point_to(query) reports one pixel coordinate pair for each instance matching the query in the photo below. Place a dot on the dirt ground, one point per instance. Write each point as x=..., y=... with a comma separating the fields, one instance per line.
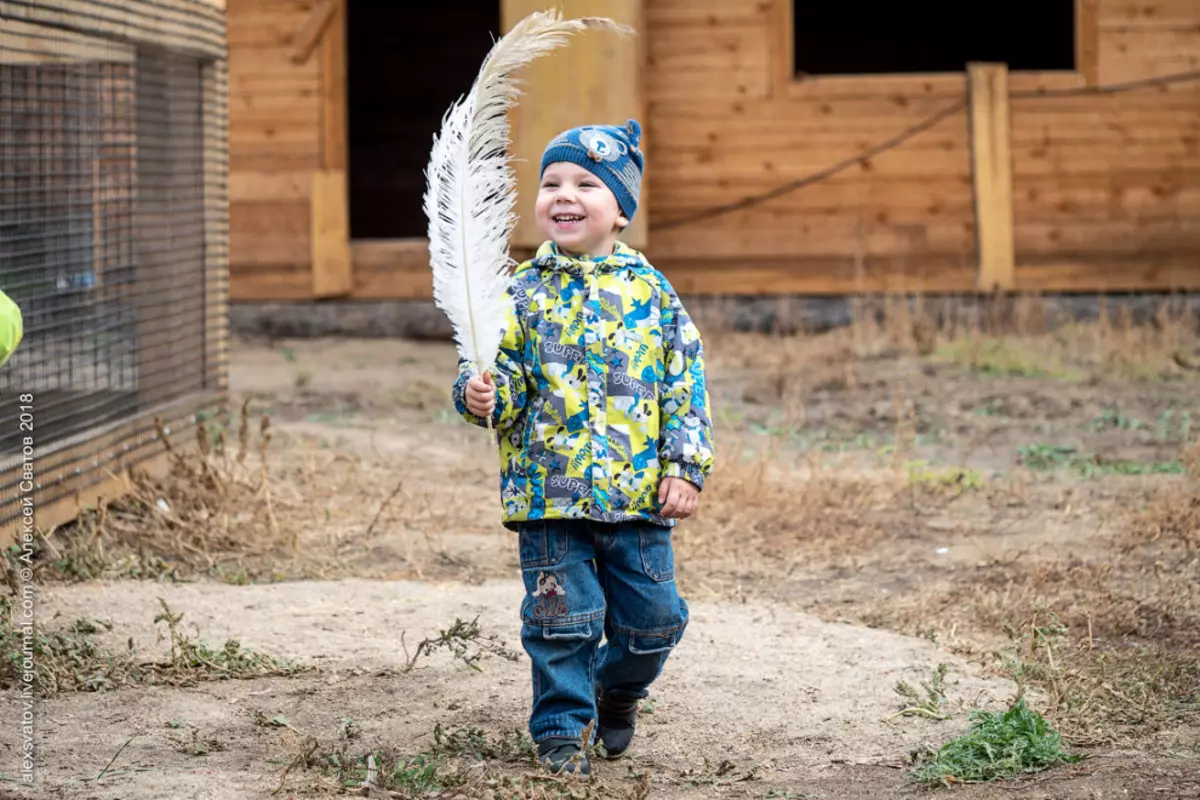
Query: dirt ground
x=872, y=517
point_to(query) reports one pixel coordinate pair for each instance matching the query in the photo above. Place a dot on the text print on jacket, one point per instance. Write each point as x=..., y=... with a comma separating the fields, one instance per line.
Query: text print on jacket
x=601, y=391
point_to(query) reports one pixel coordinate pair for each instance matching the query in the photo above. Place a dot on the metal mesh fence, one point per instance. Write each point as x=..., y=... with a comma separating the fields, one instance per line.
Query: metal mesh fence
x=104, y=210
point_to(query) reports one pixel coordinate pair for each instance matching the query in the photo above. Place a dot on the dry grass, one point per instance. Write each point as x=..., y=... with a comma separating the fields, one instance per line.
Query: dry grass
x=1001, y=336
x=1173, y=521
x=461, y=764
x=247, y=510
x=235, y=507
x=66, y=658
x=219, y=506
x=1107, y=637
x=763, y=506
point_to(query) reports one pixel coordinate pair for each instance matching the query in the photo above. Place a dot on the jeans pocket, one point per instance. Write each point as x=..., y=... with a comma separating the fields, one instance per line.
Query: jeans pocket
x=645, y=641
x=658, y=556
x=541, y=545
x=648, y=643
x=580, y=627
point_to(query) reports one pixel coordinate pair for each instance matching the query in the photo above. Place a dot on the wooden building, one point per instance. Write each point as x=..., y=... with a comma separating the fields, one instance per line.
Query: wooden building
x=1058, y=149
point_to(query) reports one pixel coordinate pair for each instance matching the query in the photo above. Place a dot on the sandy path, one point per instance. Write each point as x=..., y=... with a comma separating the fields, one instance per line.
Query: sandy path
x=750, y=683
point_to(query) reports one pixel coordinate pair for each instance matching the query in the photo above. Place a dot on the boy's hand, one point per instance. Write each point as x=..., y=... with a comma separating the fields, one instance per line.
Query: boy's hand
x=679, y=498
x=481, y=395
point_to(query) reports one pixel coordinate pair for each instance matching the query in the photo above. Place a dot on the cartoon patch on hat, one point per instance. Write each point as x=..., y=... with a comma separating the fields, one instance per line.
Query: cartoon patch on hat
x=603, y=145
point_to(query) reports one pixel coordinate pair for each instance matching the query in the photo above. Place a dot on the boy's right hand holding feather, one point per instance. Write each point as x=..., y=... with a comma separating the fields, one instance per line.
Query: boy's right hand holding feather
x=481, y=395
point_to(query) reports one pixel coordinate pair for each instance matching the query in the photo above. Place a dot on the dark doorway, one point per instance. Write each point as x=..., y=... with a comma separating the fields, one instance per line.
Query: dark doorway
x=883, y=36
x=406, y=63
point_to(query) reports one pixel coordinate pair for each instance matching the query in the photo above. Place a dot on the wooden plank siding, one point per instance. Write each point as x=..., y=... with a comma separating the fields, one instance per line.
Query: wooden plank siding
x=1101, y=182
x=1105, y=187
x=727, y=121
x=275, y=126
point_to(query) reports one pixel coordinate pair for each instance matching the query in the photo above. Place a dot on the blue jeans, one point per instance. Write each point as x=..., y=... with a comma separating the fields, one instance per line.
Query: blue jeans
x=583, y=581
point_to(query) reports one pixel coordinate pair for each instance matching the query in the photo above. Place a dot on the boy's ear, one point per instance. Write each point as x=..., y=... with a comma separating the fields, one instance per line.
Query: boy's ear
x=622, y=222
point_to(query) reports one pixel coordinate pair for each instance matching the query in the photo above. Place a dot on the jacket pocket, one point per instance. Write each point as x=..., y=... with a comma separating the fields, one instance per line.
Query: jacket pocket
x=531, y=423
x=658, y=556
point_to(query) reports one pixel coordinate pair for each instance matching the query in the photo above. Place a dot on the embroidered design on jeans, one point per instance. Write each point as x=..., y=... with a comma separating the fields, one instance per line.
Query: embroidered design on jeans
x=550, y=597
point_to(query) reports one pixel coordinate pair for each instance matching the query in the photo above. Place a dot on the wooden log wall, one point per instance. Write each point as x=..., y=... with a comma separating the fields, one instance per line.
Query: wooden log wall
x=1103, y=187
x=1106, y=188
x=727, y=122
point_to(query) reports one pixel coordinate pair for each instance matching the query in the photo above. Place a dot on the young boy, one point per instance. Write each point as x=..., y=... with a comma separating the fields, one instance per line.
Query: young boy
x=601, y=408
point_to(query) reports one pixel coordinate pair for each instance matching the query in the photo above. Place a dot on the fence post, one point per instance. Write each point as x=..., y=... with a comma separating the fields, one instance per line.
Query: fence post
x=991, y=170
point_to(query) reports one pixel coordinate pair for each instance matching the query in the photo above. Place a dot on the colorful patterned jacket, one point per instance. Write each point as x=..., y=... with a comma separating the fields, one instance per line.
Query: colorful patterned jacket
x=601, y=391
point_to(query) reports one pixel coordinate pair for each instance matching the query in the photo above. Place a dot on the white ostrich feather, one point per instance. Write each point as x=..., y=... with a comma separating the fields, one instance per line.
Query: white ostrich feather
x=471, y=189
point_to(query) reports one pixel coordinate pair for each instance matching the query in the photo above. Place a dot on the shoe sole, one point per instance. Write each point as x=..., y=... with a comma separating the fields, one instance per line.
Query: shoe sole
x=564, y=772
x=603, y=752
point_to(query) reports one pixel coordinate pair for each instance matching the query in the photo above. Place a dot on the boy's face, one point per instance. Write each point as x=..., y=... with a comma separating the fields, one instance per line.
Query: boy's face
x=577, y=211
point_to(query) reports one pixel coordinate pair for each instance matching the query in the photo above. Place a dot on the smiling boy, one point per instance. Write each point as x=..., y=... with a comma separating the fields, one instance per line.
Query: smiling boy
x=601, y=407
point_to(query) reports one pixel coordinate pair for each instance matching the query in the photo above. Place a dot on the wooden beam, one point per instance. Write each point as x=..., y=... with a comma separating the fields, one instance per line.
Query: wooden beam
x=783, y=47
x=332, y=268
x=1087, y=40
x=817, y=276
x=598, y=78
x=247, y=186
x=310, y=34
x=391, y=255
x=399, y=270
x=991, y=164
x=31, y=43
x=1155, y=272
x=333, y=92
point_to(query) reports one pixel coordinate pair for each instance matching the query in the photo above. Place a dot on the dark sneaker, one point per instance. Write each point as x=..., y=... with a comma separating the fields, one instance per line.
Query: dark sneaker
x=564, y=755
x=616, y=719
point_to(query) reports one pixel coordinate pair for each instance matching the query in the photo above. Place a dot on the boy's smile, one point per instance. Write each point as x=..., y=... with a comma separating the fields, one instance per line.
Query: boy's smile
x=577, y=211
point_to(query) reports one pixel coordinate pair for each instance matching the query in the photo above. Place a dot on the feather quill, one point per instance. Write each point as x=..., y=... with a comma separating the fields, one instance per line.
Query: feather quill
x=471, y=189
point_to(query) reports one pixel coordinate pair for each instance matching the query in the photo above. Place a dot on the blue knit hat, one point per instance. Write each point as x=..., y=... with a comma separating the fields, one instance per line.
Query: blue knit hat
x=611, y=153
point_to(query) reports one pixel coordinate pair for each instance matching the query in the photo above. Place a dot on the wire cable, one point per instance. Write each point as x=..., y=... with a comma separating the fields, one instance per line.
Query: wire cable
x=905, y=135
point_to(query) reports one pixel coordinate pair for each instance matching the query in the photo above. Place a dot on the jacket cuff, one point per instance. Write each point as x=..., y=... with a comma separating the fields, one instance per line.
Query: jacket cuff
x=458, y=395
x=689, y=472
